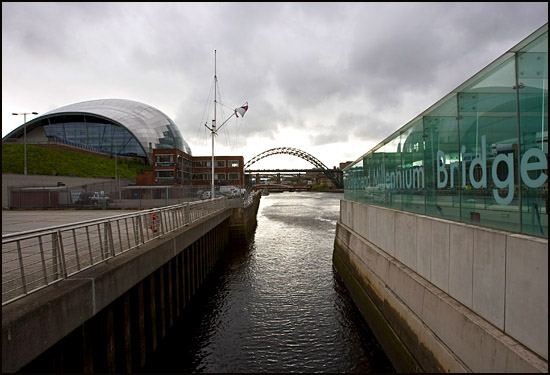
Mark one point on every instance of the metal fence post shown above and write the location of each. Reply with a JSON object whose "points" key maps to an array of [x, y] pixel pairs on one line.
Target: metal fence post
{"points": [[119, 235], [139, 230], [127, 232], [62, 253], [100, 242], [54, 256], [89, 246], [21, 268], [161, 222], [76, 251], [106, 238], [42, 259], [111, 243]]}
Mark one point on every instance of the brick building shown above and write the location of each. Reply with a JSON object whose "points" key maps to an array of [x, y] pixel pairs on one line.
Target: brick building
{"points": [[175, 167]]}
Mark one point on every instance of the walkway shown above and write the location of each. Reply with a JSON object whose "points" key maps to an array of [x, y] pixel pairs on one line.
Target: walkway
{"points": [[19, 221]]}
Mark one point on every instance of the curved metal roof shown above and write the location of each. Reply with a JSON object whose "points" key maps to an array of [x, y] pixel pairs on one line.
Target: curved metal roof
{"points": [[146, 123]]}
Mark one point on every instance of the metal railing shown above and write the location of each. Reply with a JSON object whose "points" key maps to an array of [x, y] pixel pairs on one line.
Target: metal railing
{"points": [[242, 202], [34, 259]]}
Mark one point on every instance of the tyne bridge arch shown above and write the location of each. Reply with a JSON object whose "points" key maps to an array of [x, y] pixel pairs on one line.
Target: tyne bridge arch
{"points": [[334, 175]]}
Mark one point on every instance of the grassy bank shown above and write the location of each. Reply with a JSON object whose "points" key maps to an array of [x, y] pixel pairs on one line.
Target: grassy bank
{"points": [[42, 160]]}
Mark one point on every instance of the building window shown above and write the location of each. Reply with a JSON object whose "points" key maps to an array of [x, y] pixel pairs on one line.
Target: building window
{"points": [[202, 164], [220, 164], [201, 176], [233, 164], [219, 176], [164, 158], [233, 176], [164, 174], [97, 137]]}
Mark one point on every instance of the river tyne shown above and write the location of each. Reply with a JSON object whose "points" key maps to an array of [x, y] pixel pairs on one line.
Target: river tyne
{"points": [[276, 305]]}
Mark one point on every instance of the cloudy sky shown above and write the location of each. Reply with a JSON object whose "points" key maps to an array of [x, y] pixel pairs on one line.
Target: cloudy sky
{"points": [[332, 79]]}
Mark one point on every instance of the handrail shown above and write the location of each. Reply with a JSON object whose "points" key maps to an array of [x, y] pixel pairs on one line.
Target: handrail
{"points": [[78, 223], [34, 259]]}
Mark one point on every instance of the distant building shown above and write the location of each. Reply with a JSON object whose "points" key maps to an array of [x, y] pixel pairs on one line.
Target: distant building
{"points": [[344, 165], [228, 170]]}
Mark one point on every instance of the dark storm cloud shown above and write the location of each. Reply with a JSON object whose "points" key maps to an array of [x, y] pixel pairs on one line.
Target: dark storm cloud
{"points": [[53, 30], [337, 72], [416, 46]]}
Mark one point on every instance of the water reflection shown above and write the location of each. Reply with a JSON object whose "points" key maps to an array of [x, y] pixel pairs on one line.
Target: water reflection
{"points": [[277, 305]]}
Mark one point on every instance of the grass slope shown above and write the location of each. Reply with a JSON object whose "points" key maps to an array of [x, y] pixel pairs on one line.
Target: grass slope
{"points": [[46, 161]]}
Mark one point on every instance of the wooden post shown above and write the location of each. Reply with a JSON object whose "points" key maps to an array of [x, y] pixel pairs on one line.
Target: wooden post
{"points": [[110, 339], [127, 332], [162, 309], [141, 312], [177, 282], [170, 297], [87, 349], [153, 312], [193, 268]]}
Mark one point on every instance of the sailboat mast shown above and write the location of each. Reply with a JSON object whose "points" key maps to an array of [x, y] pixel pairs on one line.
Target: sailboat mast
{"points": [[212, 190]]}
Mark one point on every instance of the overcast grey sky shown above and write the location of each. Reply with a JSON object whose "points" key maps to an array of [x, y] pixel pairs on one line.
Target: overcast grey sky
{"points": [[332, 79]]}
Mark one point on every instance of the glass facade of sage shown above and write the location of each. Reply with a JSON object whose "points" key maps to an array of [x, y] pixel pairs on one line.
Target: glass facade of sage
{"points": [[114, 126], [479, 155]]}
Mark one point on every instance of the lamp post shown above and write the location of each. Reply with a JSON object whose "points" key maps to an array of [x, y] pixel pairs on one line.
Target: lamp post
{"points": [[25, 134]]}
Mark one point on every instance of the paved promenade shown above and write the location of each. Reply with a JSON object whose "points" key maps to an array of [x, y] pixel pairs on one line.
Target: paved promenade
{"points": [[19, 221]]}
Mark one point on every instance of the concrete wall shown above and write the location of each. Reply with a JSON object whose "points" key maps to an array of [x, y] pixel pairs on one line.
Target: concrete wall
{"points": [[481, 295], [57, 326], [243, 220]]}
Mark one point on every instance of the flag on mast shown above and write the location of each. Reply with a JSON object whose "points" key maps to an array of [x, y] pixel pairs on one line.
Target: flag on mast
{"points": [[241, 110]]}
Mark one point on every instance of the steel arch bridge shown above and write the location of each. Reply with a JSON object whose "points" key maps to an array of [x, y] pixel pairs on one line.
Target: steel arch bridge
{"points": [[332, 174]]}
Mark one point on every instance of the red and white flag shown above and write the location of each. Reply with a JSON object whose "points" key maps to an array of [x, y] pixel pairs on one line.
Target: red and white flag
{"points": [[241, 110]]}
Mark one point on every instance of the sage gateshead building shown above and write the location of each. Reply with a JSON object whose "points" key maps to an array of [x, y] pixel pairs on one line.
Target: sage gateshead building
{"points": [[113, 126], [479, 155]]}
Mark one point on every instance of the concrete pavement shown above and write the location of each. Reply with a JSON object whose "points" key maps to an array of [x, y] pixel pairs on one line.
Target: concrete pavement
{"points": [[19, 221]]}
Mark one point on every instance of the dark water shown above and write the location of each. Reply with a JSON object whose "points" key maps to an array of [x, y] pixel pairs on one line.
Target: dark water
{"points": [[278, 305]]}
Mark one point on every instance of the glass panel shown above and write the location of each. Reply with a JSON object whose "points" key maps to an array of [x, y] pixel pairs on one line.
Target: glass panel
{"points": [[532, 68], [362, 179], [393, 173], [106, 135], [376, 178], [488, 137], [413, 167], [352, 181], [442, 160]]}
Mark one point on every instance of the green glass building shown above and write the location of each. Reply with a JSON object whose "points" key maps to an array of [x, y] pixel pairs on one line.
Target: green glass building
{"points": [[479, 155]]}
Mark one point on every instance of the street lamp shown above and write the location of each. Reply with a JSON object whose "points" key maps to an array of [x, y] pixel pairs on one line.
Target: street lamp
{"points": [[25, 134]]}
